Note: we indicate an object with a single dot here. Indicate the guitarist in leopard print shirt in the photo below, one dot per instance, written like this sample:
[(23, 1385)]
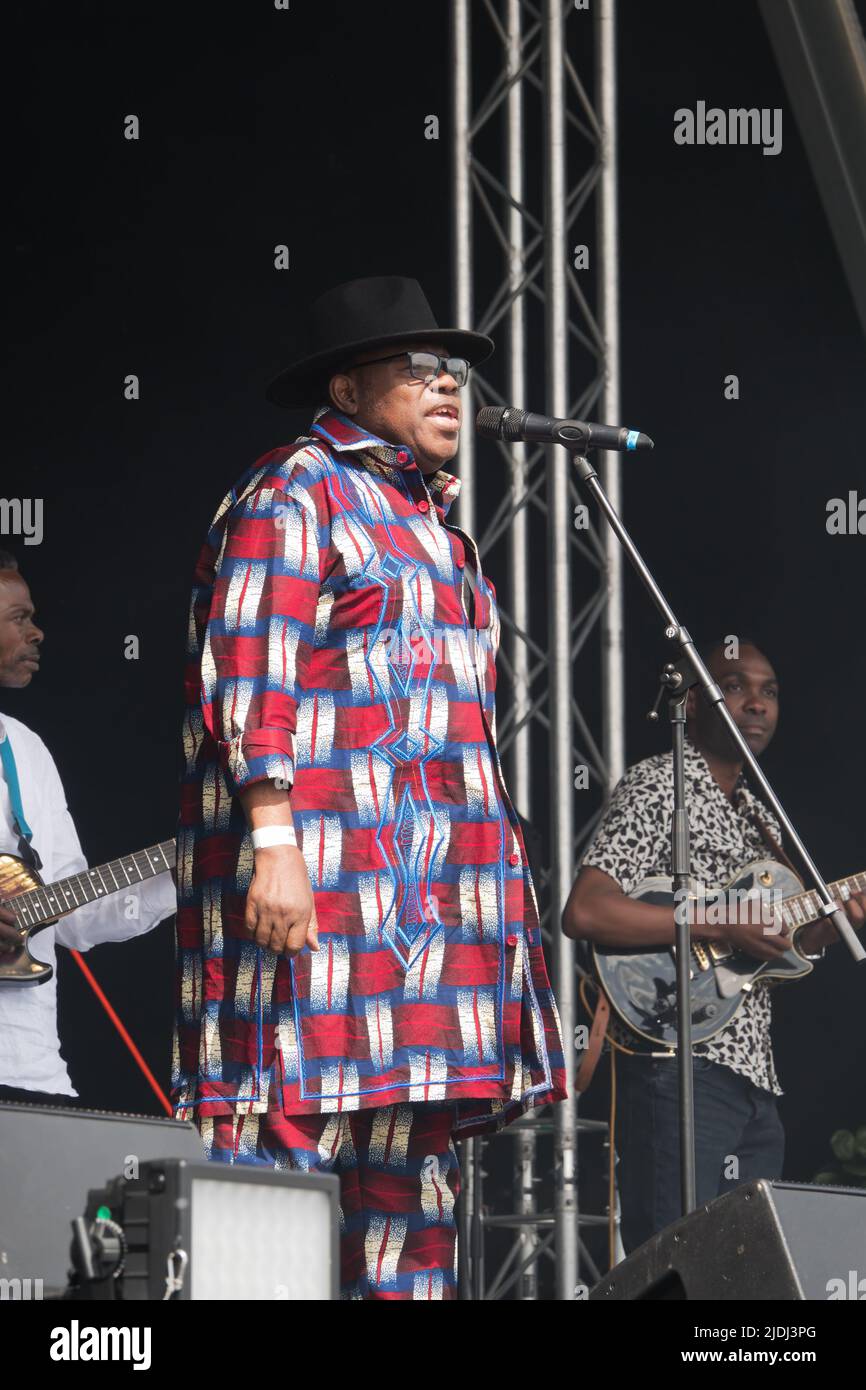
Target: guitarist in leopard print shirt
[(735, 1082)]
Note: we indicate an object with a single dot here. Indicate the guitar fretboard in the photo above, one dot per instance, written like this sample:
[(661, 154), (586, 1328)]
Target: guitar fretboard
[(40, 905), (806, 907)]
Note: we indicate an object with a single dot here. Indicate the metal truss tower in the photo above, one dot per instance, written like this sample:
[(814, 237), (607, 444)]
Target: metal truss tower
[(534, 227)]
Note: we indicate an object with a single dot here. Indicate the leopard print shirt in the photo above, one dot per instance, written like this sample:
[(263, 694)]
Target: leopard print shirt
[(634, 842)]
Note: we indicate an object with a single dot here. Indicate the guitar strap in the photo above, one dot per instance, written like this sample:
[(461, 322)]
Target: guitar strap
[(597, 1034), (772, 843), (19, 821)]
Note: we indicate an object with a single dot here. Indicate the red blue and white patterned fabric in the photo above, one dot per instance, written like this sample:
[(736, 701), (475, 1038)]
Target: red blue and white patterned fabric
[(399, 1180), (329, 646)]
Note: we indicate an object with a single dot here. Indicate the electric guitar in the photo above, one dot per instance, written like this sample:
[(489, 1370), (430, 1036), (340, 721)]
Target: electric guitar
[(37, 904), (642, 985)]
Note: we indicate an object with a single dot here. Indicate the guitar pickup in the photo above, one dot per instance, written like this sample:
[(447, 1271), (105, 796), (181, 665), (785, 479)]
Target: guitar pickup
[(702, 959)]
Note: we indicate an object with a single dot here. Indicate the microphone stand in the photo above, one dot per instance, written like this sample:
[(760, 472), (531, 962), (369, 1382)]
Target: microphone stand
[(678, 677)]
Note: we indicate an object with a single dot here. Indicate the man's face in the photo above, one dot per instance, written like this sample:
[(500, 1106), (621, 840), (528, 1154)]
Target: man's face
[(19, 635), (751, 690), (387, 401)]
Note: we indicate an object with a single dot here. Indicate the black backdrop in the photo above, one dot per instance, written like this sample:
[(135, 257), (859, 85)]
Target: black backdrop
[(156, 258)]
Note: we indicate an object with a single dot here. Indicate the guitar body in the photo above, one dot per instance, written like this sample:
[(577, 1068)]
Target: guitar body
[(19, 967), (642, 985)]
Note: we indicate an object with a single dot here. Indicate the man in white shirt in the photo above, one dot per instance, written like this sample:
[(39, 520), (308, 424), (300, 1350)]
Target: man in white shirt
[(31, 1064)]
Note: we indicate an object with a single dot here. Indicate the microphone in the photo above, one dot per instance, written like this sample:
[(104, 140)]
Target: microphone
[(510, 424)]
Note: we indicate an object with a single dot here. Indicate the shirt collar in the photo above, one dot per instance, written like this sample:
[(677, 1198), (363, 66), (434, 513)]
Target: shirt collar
[(697, 764), (344, 437)]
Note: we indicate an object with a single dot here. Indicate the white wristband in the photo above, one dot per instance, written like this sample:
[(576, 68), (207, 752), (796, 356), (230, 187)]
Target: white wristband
[(268, 835)]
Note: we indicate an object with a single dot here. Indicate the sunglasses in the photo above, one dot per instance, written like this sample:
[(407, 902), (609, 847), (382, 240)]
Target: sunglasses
[(426, 366)]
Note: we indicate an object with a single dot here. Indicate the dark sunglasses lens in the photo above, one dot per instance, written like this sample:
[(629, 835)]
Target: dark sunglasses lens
[(426, 366), (423, 365)]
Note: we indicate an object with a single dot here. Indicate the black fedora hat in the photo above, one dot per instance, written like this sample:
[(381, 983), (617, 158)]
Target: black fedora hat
[(379, 311)]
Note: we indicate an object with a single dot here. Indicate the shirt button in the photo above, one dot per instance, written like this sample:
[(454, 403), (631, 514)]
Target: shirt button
[(423, 506), (511, 940), (514, 860), (402, 456)]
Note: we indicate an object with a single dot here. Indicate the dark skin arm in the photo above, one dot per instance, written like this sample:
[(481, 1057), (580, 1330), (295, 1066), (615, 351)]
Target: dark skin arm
[(597, 910), (280, 914)]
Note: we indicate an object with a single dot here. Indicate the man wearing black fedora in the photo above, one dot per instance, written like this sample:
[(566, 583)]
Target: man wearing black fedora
[(360, 972)]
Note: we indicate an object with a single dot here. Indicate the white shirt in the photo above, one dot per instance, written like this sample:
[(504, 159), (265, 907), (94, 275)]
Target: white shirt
[(30, 1056)]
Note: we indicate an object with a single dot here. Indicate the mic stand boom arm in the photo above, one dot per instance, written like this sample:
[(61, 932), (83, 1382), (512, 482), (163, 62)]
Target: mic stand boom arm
[(690, 670)]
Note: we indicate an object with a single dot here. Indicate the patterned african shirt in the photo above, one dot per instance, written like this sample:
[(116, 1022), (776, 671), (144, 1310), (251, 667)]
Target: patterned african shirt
[(342, 638), (634, 842)]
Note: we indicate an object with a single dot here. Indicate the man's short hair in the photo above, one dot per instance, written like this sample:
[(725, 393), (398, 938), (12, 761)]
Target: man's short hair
[(7, 560), (718, 644)]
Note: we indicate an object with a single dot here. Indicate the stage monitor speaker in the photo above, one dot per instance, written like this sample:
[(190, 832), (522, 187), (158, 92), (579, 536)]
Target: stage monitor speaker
[(763, 1241), (49, 1159), (208, 1231)]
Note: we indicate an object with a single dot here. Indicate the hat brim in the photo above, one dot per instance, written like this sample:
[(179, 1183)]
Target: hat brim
[(303, 383)]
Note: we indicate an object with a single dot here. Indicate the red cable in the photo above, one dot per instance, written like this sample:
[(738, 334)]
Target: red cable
[(104, 1001)]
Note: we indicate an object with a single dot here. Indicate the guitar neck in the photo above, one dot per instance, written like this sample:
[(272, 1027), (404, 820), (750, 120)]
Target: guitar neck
[(806, 907), (51, 900)]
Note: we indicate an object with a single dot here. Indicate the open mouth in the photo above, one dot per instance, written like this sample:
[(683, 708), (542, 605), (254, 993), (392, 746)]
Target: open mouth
[(445, 412)]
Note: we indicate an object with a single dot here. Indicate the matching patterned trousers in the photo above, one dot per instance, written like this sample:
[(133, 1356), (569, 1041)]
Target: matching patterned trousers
[(399, 1180)]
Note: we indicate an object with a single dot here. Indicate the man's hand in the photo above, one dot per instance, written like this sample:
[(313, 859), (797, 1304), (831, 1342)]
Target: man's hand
[(855, 907), (757, 939), (281, 914), (10, 935), (818, 935), (743, 929)]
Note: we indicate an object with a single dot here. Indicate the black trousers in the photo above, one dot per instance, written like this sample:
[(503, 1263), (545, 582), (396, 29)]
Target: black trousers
[(738, 1137)]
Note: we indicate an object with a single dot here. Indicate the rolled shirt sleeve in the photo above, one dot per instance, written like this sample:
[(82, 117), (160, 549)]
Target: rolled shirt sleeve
[(259, 636), (132, 911), (116, 917), (631, 837)]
